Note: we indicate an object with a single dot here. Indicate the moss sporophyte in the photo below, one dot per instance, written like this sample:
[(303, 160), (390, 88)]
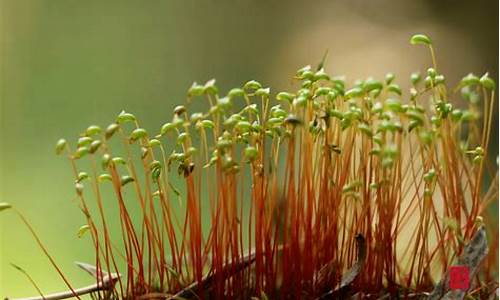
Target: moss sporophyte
[(325, 192)]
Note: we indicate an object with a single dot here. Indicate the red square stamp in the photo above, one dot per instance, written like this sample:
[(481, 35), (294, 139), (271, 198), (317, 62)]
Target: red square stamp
[(459, 278)]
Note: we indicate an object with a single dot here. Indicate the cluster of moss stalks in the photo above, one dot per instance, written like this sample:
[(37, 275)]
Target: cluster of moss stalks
[(288, 181)]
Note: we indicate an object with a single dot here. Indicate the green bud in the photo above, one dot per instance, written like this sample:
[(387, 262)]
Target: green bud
[(487, 82), (138, 133), (60, 146), (284, 96), (81, 152), (389, 78), (430, 175), (236, 92), (415, 78), (354, 93), (94, 146), (124, 117), (110, 130), (243, 126), (154, 143), (106, 159), (4, 206), (166, 128), (93, 130), (394, 88), (393, 105), (82, 230), (210, 87), (182, 138), (82, 176), (456, 115), (118, 161), (179, 109), (372, 84), (84, 141), (252, 85), (195, 90), (420, 39), (431, 72), (470, 79), (251, 153), (104, 177), (321, 75), (207, 124), (125, 179), (263, 92)]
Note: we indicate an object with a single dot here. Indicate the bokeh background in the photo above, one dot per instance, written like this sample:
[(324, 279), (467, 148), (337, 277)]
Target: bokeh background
[(66, 64)]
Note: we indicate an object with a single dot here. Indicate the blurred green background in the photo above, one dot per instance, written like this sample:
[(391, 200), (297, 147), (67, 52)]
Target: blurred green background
[(66, 64)]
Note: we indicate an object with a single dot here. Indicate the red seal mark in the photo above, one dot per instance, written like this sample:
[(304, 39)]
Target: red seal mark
[(459, 278)]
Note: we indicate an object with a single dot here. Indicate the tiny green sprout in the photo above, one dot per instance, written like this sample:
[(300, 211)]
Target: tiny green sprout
[(394, 88), (393, 105), (430, 175), (154, 143), (104, 177), (224, 103), (263, 92), (82, 176), (182, 137), (154, 165), (487, 82), (125, 179), (243, 126), (378, 108), (415, 77), (138, 133), (306, 84), (251, 109), (82, 230), (284, 96), (251, 153), (439, 79), (236, 92), (353, 93), (124, 117), (195, 90), (389, 78), (431, 72), (456, 115), (81, 152), (110, 130), (210, 88), (179, 109), (321, 75), (166, 128), (195, 117), (370, 84), (300, 101), (252, 85), (84, 141), (420, 39), (4, 206), (93, 130), (94, 146), (60, 146), (470, 79), (207, 124)]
